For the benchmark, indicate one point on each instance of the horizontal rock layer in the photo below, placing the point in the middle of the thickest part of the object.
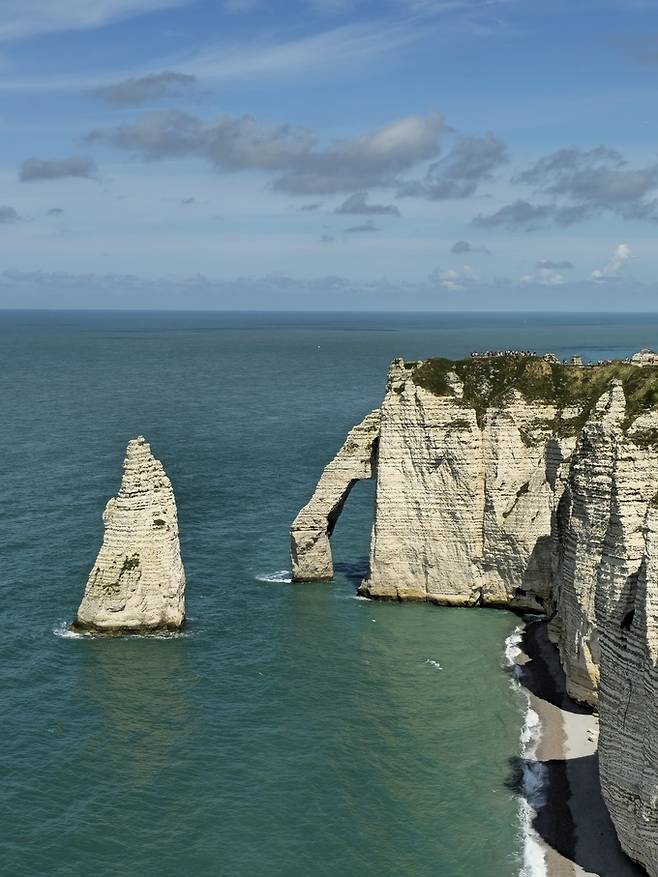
(628, 742)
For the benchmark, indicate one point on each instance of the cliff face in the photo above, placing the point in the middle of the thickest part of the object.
(613, 480)
(534, 485)
(628, 743)
(137, 583)
(583, 524)
(464, 499)
(427, 529)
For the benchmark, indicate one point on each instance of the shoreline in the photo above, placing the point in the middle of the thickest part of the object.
(569, 821)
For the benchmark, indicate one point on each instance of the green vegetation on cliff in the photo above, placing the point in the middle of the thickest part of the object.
(488, 380)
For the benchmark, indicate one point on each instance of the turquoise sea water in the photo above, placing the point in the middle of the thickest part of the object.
(293, 731)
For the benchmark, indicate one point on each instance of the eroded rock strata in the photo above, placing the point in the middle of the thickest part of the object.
(628, 742)
(465, 495)
(137, 583)
(531, 484)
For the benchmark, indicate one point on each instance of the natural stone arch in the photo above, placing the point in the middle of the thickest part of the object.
(310, 548)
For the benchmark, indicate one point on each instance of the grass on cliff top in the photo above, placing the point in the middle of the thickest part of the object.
(488, 380)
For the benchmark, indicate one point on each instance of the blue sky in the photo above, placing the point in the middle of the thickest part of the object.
(433, 154)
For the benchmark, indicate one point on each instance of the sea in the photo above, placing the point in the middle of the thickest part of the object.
(291, 730)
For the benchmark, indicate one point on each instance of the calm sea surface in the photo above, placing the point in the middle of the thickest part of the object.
(293, 731)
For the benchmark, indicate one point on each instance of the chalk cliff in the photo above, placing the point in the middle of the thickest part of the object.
(466, 494)
(628, 742)
(584, 522)
(531, 484)
(137, 583)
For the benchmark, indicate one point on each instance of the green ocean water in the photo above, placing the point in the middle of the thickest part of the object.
(292, 731)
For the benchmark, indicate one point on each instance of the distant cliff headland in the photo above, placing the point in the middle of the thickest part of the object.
(515, 480)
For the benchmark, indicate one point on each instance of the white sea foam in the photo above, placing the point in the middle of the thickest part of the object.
(434, 664)
(282, 576)
(62, 630)
(533, 772)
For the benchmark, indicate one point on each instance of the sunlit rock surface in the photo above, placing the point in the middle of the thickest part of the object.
(137, 584)
(312, 528)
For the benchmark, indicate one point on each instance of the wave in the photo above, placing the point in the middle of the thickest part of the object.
(63, 631)
(282, 576)
(434, 664)
(534, 774)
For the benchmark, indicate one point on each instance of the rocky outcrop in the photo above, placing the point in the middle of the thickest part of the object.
(312, 528)
(137, 584)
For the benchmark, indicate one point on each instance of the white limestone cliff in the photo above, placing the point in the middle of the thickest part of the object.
(312, 528)
(429, 499)
(464, 510)
(137, 583)
(613, 479)
(584, 523)
(533, 487)
(628, 741)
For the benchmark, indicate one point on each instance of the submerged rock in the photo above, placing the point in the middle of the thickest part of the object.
(137, 584)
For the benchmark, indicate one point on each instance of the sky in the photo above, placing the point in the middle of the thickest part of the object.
(329, 154)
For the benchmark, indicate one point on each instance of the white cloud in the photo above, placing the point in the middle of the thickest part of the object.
(8, 214)
(27, 18)
(302, 166)
(73, 166)
(345, 46)
(543, 277)
(140, 89)
(610, 271)
(453, 279)
(331, 50)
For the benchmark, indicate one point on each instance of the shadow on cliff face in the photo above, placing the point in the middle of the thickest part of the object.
(542, 674)
(573, 820)
(538, 573)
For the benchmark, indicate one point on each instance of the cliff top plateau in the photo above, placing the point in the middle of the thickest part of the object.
(487, 381)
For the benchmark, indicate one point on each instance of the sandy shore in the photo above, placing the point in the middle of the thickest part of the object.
(573, 825)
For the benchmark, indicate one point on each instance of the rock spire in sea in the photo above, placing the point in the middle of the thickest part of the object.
(137, 584)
